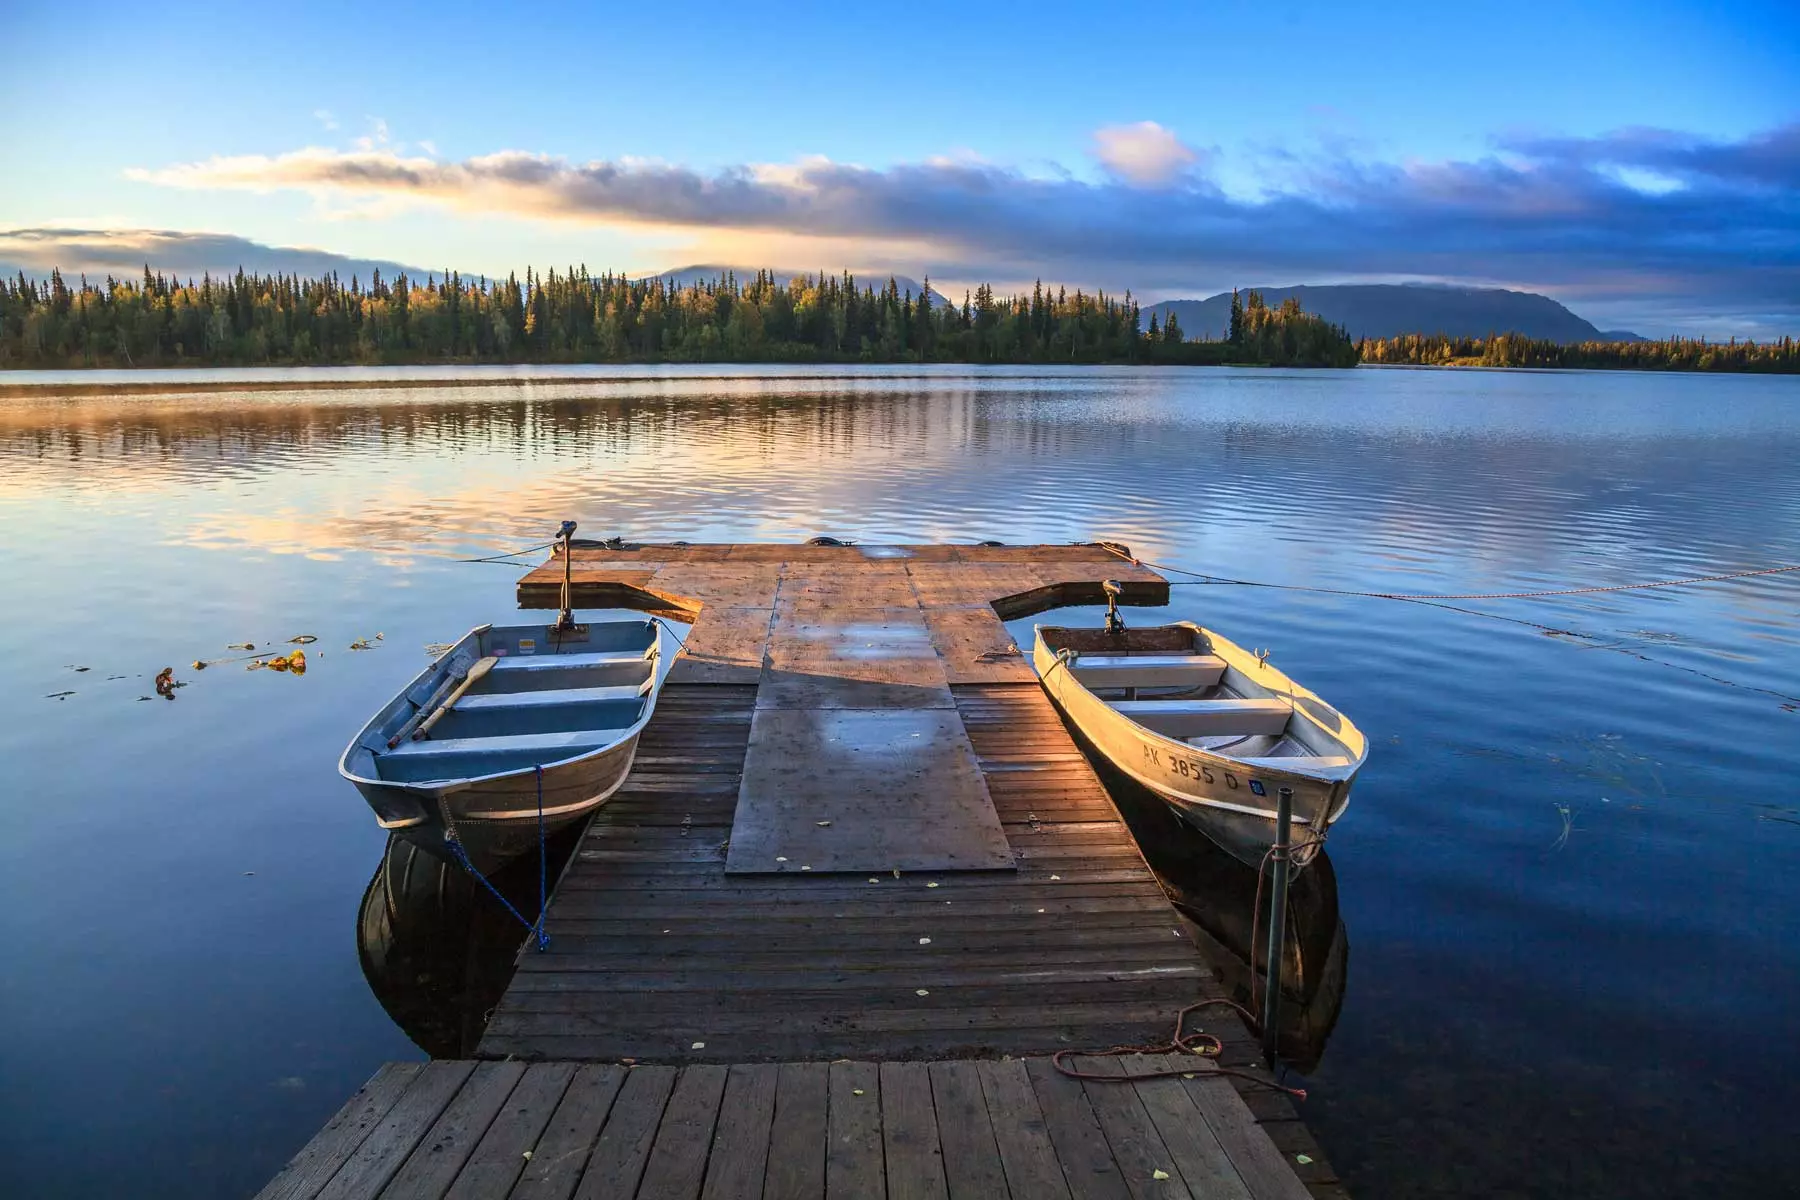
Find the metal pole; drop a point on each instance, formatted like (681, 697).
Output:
(1278, 890)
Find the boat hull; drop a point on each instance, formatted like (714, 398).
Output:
(1230, 801)
(497, 820)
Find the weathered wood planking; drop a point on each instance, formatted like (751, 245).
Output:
(731, 591)
(1013, 1129)
(655, 948)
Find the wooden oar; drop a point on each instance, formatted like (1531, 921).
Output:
(476, 674)
(450, 680)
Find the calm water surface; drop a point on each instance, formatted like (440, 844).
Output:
(1569, 875)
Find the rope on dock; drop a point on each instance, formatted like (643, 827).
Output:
(1198, 1044)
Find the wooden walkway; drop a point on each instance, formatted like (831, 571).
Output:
(766, 1029)
(960, 1130)
(657, 953)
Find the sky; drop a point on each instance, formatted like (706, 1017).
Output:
(1639, 162)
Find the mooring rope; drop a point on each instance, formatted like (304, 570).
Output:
(536, 928)
(501, 558)
(1202, 578)
(543, 938)
(1197, 1044)
(1430, 600)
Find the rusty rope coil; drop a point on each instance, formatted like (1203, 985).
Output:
(1198, 1044)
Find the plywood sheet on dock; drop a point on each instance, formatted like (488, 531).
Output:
(882, 790)
(997, 1130)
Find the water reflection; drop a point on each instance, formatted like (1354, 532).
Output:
(437, 948)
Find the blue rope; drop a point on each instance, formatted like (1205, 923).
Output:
(462, 856)
(535, 927)
(543, 938)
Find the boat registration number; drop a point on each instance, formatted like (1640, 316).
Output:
(1189, 769)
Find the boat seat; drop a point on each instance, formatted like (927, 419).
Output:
(472, 757)
(550, 698)
(1207, 718)
(1148, 670)
(567, 662)
(573, 740)
(565, 672)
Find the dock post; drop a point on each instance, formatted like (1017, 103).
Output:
(1278, 890)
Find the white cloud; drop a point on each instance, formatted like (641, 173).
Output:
(324, 117)
(1552, 214)
(1145, 153)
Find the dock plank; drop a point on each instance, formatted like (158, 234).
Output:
(368, 1169)
(909, 1128)
(1074, 1131)
(499, 1158)
(562, 1151)
(320, 1159)
(617, 1163)
(440, 1155)
(1136, 1144)
(796, 1169)
(1184, 1131)
(677, 1165)
(971, 1156)
(1020, 1133)
(853, 1153)
(740, 1149)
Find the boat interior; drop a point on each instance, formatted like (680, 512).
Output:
(547, 698)
(1171, 680)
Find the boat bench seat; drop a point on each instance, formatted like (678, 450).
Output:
(567, 662)
(1148, 670)
(1207, 718)
(471, 757)
(488, 702)
(573, 740)
(564, 672)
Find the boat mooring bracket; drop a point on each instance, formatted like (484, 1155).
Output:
(565, 620)
(1115, 625)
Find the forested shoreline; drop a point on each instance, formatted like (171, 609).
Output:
(573, 316)
(1516, 350)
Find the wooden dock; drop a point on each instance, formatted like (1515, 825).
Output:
(859, 884)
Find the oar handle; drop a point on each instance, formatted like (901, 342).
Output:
(476, 673)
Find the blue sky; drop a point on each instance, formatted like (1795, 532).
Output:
(1641, 162)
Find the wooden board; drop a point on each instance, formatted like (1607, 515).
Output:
(945, 1130)
(833, 790)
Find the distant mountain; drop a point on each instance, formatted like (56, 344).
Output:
(1388, 309)
(703, 272)
(123, 253)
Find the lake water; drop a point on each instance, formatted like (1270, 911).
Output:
(1570, 876)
